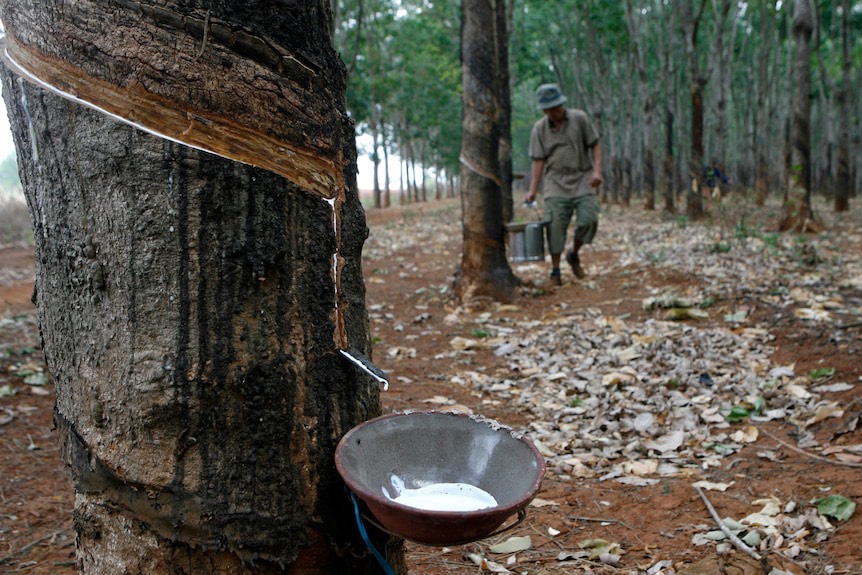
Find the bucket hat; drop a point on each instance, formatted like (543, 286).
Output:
(550, 96)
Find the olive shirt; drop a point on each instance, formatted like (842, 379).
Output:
(566, 153)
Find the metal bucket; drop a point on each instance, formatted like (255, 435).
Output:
(526, 241)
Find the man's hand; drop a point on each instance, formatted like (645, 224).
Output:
(537, 168)
(595, 179)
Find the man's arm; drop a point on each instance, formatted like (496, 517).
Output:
(535, 178)
(596, 176)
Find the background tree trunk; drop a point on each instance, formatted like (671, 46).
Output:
(823, 155)
(721, 48)
(504, 25)
(484, 268)
(843, 177)
(798, 212)
(639, 55)
(667, 78)
(191, 312)
(762, 116)
(374, 126)
(690, 23)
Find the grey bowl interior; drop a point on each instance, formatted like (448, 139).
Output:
(422, 448)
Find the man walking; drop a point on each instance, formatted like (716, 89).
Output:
(567, 161)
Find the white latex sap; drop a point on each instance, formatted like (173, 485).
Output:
(446, 497)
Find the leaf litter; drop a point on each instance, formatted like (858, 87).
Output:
(616, 398)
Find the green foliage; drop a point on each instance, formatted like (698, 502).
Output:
(720, 247)
(835, 506)
(9, 174)
(771, 239)
(744, 410)
(821, 373)
(405, 76)
(655, 257)
(24, 351)
(737, 413)
(806, 252)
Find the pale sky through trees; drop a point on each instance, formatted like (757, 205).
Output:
(6, 145)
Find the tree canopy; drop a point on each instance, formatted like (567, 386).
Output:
(611, 59)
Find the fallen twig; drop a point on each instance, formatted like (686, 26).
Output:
(600, 520)
(26, 548)
(811, 455)
(10, 416)
(739, 543)
(852, 403)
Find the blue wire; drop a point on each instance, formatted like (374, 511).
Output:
(387, 569)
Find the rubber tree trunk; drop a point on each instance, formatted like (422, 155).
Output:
(725, 16)
(844, 178)
(484, 268)
(690, 23)
(762, 116)
(670, 187)
(504, 26)
(666, 55)
(694, 205)
(798, 211)
(640, 65)
(803, 27)
(374, 126)
(191, 306)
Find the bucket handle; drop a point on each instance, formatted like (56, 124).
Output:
(522, 514)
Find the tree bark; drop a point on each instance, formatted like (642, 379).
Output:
(690, 23)
(627, 180)
(192, 307)
(798, 211)
(762, 117)
(722, 50)
(387, 184)
(824, 181)
(670, 187)
(843, 178)
(639, 55)
(667, 79)
(503, 17)
(484, 268)
(211, 80)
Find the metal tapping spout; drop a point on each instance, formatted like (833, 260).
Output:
(361, 361)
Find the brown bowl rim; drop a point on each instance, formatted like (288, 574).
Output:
(501, 510)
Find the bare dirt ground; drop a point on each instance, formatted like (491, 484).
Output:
(414, 323)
